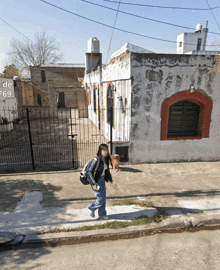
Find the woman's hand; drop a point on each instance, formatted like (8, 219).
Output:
(94, 187)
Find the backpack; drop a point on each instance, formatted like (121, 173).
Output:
(83, 175)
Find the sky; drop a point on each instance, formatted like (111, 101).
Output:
(72, 32)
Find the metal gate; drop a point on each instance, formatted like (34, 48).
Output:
(41, 140)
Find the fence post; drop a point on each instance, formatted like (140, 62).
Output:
(73, 162)
(111, 124)
(29, 129)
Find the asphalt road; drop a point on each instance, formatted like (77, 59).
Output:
(177, 251)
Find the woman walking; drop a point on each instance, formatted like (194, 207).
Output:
(102, 175)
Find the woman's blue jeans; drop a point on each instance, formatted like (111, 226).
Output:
(100, 202)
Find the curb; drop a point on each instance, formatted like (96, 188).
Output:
(167, 225)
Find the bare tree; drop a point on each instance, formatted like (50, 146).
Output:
(215, 45)
(43, 51)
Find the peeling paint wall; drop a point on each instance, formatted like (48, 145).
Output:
(157, 77)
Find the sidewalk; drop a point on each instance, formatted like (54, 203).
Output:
(34, 202)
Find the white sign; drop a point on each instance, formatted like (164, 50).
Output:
(6, 88)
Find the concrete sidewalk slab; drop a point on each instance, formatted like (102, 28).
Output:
(32, 202)
(30, 217)
(6, 236)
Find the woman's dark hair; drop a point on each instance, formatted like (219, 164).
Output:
(104, 146)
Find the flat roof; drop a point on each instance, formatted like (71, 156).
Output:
(128, 47)
(63, 65)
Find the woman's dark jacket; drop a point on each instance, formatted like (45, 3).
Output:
(91, 168)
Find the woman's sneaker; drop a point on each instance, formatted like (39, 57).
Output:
(91, 213)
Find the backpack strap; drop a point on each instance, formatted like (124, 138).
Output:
(97, 165)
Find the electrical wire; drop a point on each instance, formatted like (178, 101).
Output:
(112, 33)
(135, 15)
(122, 30)
(145, 5)
(15, 29)
(213, 14)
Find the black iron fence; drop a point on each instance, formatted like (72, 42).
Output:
(41, 139)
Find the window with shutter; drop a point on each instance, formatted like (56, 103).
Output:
(94, 99)
(186, 115)
(183, 119)
(109, 104)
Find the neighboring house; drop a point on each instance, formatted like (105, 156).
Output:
(173, 99)
(58, 86)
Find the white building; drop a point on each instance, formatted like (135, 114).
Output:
(172, 104)
(196, 41)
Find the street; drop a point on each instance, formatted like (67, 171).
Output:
(177, 251)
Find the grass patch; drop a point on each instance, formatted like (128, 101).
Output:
(130, 202)
(142, 220)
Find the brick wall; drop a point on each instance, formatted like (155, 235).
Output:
(58, 79)
(27, 93)
(19, 97)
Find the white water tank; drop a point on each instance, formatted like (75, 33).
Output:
(198, 27)
(93, 45)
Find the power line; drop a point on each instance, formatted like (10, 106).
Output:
(145, 5)
(15, 29)
(122, 30)
(213, 14)
(135, 15)
(112, 32)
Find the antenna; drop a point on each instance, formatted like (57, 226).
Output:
(206, 24)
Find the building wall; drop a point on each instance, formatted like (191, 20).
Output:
(58, 79)
(116, 73)
(19, 97)
(93, 80)
(27, 93)
(189, 41)
(156, 77)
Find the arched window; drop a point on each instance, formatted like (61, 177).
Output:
(39, 99)
(186, 115)
(183, 119)
(43, 76)
(94, 99)
(109, 104)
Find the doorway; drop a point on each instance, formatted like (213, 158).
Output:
(61, 100)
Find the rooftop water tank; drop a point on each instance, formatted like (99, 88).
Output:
(198, 27)
(93, 45)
